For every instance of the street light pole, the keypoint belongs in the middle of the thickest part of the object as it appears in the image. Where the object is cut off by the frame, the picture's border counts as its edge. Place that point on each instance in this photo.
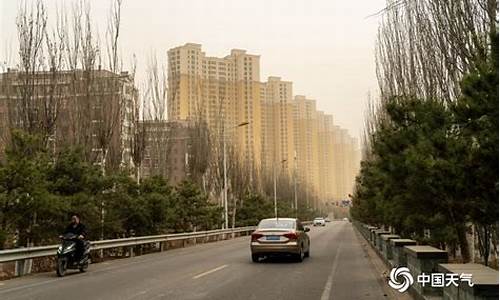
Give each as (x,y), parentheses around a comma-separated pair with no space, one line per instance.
(224,163)
(295,184)
(225,180)
(275,198)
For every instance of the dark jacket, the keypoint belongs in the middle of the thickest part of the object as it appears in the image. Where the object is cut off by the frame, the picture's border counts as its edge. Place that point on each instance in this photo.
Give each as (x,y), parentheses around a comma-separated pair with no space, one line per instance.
(79,229)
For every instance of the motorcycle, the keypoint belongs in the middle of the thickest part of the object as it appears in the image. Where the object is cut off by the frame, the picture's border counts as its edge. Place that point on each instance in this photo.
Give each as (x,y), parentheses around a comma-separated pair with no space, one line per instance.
(66,255)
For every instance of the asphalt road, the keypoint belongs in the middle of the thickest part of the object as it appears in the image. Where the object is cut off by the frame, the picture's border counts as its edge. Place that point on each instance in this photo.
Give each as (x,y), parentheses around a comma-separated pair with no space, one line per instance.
(337,269)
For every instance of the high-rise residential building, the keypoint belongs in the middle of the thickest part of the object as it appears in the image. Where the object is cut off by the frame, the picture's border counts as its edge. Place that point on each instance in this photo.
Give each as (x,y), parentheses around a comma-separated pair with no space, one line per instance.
(338,151)
(306,141)
(346,162)
(93,109)
(329,158)
(284,134)
(278,125)
(222,91)
(325,156)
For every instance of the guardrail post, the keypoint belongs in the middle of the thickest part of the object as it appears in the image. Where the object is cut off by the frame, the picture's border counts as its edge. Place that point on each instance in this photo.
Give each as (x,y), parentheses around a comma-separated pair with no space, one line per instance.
(131,251)
(20,268)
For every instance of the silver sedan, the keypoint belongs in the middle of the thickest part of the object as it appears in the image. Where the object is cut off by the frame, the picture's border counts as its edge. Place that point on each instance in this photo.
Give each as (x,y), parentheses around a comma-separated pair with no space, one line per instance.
(280,236)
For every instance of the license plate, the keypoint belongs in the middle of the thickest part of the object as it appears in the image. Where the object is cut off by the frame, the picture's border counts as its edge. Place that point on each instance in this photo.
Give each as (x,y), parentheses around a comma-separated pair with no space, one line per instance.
(272,238)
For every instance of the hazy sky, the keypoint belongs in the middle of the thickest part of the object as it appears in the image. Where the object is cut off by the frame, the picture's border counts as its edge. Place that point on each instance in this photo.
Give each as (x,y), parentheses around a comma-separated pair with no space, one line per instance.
(326,47)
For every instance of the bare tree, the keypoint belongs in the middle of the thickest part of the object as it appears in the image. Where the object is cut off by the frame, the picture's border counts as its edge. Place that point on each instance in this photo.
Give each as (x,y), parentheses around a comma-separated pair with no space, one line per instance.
(108,110)
(158,143)
(423,50)
(424,47)
(31,29)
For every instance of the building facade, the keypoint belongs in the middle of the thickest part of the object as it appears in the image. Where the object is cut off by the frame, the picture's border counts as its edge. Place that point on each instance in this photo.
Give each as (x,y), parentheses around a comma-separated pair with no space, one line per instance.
(306,142)
(222,91)
(278,138)
(284,135)
(166,150)
(92,109)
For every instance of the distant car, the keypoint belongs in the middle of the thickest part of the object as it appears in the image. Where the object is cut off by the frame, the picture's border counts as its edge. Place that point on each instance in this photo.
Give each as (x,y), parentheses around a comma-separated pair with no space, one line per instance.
(327,220)
(346,219)
(319,222)
(280,236)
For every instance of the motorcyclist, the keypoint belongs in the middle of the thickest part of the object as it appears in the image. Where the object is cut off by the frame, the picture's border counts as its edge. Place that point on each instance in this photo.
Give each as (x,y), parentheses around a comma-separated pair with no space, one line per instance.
(77,228)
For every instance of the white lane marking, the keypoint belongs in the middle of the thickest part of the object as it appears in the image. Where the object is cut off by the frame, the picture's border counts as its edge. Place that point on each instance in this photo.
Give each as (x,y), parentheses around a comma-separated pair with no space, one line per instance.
(210,271)
(328,286)
(120,265)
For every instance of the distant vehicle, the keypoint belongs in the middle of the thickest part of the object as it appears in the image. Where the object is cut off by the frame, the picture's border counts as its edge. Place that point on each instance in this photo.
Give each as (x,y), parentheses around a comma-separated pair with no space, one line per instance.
(327,220)
(346,219)
(280,236)
(319,222)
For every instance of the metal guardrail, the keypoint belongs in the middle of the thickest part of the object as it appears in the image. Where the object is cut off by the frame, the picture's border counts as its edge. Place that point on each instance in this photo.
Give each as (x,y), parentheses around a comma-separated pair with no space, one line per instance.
(43,251)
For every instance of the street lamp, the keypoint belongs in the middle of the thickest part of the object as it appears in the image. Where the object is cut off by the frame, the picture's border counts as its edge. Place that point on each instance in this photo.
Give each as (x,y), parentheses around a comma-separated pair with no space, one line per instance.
(275,198)
(226,223)
(295,184)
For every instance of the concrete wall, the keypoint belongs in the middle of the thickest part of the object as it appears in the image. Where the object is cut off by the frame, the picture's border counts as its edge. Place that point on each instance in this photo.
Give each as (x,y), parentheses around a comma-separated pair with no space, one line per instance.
(419,259)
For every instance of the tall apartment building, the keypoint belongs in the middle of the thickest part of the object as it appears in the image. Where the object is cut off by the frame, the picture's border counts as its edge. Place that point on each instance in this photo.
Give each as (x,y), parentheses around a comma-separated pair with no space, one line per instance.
(306,141)
(325,156)
(329,158)
(284,133)
(278,140)
(223,91)
(91,107)
(347,158)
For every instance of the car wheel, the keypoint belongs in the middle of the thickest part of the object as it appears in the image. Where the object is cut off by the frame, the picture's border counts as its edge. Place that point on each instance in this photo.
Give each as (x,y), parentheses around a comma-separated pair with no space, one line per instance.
(255,258)
(300,256)
(307,254)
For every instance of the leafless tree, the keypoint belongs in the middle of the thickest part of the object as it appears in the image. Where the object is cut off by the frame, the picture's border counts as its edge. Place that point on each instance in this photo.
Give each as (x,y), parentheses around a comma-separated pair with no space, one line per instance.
(108,110)
(31,29)
(154,95)
(424,47)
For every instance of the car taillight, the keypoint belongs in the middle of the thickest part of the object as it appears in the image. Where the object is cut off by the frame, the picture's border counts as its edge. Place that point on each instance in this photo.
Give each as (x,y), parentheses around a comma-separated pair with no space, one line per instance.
(256,236)
(291,235)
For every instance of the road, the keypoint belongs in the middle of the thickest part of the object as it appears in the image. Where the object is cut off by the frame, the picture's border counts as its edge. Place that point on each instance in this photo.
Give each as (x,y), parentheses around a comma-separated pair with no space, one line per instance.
(337,269)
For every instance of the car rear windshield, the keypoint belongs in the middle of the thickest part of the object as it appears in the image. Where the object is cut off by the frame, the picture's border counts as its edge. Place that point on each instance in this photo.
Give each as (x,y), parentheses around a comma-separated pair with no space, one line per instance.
(278,224)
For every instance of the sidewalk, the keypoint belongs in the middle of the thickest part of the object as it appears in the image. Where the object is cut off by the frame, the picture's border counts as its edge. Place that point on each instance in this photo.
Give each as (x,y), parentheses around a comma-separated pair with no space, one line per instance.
(381,270)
